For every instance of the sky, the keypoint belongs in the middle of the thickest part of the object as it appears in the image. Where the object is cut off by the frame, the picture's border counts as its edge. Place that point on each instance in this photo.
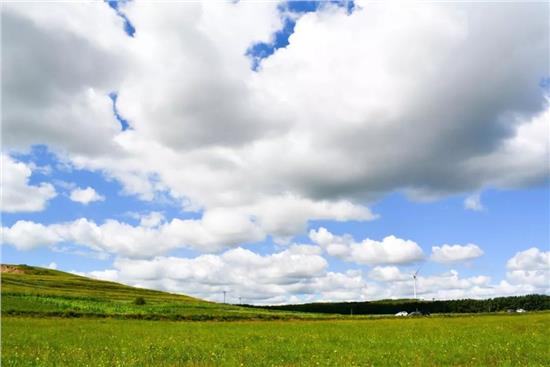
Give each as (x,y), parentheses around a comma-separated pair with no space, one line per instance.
(282,152)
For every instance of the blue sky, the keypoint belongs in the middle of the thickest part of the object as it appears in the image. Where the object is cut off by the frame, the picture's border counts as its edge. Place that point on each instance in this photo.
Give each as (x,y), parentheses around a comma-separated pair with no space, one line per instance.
(284,162)
(512,220)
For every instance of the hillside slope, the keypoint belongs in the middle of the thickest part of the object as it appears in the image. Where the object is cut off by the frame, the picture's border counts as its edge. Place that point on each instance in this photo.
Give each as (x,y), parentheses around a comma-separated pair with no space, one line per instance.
(34,291)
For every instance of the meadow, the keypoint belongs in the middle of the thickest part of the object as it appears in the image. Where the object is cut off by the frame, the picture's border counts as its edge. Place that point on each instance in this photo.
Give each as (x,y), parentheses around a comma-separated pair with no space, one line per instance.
(52,318)
(39,292)
(500,340)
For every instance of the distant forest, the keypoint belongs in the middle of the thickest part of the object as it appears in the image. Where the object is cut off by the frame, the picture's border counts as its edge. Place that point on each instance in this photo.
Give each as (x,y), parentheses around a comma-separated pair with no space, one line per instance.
(534,302)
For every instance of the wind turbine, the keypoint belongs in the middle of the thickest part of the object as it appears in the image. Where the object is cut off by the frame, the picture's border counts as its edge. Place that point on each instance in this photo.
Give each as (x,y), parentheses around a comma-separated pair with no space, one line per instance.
(415,274)
(224,294)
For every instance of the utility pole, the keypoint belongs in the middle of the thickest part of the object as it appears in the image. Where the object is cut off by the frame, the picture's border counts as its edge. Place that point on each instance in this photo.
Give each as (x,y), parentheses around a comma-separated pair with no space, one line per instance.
(224,292)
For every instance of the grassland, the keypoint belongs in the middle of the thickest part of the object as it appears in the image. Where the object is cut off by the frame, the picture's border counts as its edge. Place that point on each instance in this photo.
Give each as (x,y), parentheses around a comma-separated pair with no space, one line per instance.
(519,340)
(42,292)
(51,318)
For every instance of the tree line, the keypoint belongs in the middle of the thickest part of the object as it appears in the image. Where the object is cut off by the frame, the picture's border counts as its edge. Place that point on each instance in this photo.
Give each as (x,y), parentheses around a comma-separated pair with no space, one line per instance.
(532,302)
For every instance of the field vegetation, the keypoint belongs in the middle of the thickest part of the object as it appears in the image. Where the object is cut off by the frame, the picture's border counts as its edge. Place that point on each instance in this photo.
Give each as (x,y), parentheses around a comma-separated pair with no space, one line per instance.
(533,302)
(503,340)
(52,318)
(39,292)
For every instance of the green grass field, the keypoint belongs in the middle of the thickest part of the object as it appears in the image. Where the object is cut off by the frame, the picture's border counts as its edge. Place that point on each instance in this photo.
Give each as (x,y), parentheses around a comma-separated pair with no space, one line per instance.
(51,318)
(42,292)
(519,340)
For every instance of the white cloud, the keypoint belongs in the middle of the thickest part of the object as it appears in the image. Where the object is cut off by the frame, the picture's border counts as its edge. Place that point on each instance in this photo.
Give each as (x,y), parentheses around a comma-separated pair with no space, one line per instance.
(531,259)
(530,267)
(473,202)
(455,253)
(388,274)
(25,235)
(152,219)
(528,273)
(297,273)
(449,285)
(55,87)
(52,266)
(85,196)
(390,98)
(521,159)
(391,250)
(17,194)
(286,215)
(339,116)
(215,231)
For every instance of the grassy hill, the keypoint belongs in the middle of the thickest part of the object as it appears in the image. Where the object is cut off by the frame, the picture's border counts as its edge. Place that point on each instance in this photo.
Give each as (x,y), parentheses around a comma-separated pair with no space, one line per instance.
(35,291)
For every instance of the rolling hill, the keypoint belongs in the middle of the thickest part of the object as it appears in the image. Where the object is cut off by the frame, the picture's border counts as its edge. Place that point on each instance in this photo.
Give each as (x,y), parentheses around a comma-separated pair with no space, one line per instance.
(40,292)
(35,291)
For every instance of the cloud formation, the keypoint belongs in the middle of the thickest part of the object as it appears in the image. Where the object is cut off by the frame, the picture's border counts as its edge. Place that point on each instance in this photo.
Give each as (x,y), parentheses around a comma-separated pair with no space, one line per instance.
(425,99)
(297,273)
(215,231)
(528,273)
(85,196)
(300,274)
(473,202)
(18,195)
(455,253)
(390,97)
(530,267)
(391,250)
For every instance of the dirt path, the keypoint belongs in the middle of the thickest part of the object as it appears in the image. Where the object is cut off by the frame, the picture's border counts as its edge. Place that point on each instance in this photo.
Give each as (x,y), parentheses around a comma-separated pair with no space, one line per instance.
(10,269)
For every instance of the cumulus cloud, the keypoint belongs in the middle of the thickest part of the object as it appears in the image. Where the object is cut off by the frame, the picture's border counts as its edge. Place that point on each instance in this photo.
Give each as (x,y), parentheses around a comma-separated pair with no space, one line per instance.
(394,283)
(530,267)
(521,159)
(215,231)
(455,253)
(52,95)
(473,202)
(531,259)
(152,219)
(391,250)
(528,273)
(388,274)
(357,105)
(393,97)
(298,273)
(85,196)
(404,124)
(18,195)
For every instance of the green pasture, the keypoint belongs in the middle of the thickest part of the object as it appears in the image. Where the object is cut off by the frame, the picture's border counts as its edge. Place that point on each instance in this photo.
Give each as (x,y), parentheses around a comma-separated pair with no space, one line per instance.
(52,318)
(503,340)
(42,292)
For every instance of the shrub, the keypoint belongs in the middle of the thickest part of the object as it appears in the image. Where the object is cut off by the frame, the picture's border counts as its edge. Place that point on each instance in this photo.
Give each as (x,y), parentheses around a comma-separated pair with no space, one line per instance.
(139,301)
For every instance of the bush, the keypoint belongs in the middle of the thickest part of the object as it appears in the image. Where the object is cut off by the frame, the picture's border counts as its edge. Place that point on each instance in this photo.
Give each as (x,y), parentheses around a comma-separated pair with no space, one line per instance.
(139,301)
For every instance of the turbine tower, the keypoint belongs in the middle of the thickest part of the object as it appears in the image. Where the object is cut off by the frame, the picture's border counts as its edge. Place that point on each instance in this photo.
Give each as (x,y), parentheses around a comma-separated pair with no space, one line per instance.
(415,274)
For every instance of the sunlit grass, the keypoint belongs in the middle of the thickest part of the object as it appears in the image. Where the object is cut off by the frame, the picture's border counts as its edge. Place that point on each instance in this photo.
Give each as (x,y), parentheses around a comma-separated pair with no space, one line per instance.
(466,341)
(46,293)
